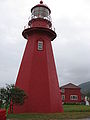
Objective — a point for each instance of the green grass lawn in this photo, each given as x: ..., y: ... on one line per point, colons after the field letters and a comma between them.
x: 76, y: 108
x: 70, y: 112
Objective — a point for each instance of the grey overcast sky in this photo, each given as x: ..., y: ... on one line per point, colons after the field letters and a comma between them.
x: 71, y: 19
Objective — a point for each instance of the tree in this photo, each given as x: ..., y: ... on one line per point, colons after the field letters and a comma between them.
x: 11, y: 95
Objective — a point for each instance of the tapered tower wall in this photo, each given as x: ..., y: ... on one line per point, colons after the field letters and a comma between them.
x: 37, y: 74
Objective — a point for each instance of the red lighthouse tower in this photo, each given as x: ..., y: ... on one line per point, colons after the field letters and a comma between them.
x: 37, y: 75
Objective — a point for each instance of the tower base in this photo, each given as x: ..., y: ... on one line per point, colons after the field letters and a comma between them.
x: 37, y: 76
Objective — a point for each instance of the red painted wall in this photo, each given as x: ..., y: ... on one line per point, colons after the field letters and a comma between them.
x: 37, y: 74
x: 72, y: 91
x: 39, y: 22
x: 2, y: 114
x: 38, y: 78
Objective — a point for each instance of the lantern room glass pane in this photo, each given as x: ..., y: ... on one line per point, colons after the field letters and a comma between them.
x: 41, y: 8
x: 40, y: 12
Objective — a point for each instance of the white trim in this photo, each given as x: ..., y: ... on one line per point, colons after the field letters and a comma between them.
x: 73, y: 97
x: 63, y: 97
x: 62, y: 90
x: 40, y: 45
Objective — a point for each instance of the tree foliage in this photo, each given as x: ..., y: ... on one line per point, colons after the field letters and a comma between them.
x: 11, y: 95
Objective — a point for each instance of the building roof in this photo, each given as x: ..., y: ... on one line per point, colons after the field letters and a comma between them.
x: 70, y: 85
x: 41, y: 5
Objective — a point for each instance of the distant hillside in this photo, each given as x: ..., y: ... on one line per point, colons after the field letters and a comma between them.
x: 85, y: 88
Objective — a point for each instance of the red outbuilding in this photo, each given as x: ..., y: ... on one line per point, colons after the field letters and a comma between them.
x: 71, y: 94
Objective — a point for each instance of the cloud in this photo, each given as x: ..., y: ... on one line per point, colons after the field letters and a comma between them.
x: 71, y: 50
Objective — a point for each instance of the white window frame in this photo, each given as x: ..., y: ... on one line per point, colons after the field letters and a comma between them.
x: 82, y: 97
x: 73, y: 97
x: 63, y: 97
x: 40, y: 45
x: 62, y: 90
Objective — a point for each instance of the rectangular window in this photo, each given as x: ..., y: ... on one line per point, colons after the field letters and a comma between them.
x: 62, y: 90
x: 73, y: 97
x: 82, y: 97
x: 40, y: 45
x: 63, y: 97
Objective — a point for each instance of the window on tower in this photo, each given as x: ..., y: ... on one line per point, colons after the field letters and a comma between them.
x: 40, y: 45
